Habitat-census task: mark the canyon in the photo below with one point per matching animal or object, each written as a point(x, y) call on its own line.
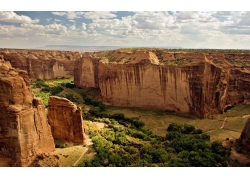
point(42, 64)
point(196, 82)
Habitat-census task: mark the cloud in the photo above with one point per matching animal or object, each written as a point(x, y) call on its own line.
point(245, 20)
point(190, 30)
point(195, 16)
point(10, 16)
point(153, 20)
point(69, 14)
point(84, 26)
point(57, 29)
point(99, 15)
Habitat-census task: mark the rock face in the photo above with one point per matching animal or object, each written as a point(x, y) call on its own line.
point(24, 130)
point(65, 119)
point(245, 135)
point(201, 83)
point(43, 64)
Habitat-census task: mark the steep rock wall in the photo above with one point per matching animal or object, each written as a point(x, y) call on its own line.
point(189, 82)
point(42, 64)
point(65, 119)
point(24, 130)
point(245, 135)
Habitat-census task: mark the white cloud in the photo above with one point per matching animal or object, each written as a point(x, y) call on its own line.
point(69, 14)
point(195, 16)
point(245, 19)
point(187, 29)
point(190, 29)
point(10, 16)
point(84, 26)
point(152, 20)
point(99, 15)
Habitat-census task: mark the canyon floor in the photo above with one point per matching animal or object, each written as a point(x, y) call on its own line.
point(219, 126)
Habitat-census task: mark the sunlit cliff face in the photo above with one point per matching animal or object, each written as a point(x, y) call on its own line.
point(24, 130)
point(199, 83)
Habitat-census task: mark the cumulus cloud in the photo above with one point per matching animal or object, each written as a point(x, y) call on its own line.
point(152, 20)
point(195, 16)
point(99, 15)
point(69, 14)
point(188, 29)
point(10, 16)
point(47, 29)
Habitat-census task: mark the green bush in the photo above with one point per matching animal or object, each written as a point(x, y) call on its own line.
point(55, 90)
point(70, 85)
point(70, 97)
point(174, 127)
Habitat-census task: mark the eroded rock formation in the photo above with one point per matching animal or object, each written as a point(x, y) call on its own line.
point(201, 83)
point(43, 64)
point(245, 135)
point(24, 129)
point(65, 119)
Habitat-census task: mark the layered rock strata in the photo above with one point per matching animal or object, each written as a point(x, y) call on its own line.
point(200, 83)
point(65, 119)
point(42, 64)
point(24, 130)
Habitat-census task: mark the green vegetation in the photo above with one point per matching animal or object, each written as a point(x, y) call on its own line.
point(238, 62)
point(159, 120)
point(127, 142)
point(176, 61)
point(117, 145)
point(46, 88)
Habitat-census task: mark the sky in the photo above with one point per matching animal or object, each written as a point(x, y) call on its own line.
point(183, 28)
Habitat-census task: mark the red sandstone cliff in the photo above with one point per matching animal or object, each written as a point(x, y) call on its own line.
point(65, 119)
point(200, 83)
point(24, 130)
point(43, 64)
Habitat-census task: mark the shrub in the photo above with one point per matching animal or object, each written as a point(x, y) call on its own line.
point(70, 85)
point(205, 137)
point(174, 127)
point(70, 97)
point(188, 129)
point(56, 90)
point(45, 89)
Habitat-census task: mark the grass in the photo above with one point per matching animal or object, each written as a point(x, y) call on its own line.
point(158, 120)
point(69, 155)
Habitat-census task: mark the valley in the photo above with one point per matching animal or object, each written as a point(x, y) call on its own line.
point(127, 107)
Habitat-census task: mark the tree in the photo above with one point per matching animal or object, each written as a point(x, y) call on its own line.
point(174, 127)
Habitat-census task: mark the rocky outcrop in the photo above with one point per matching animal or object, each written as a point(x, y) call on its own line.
point(24, 130)
point(65, 119)
point(201, 83)
point(245, 135)
point(42, 64)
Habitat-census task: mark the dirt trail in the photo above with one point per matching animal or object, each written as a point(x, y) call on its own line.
point(224, 123)
point(88, 143)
